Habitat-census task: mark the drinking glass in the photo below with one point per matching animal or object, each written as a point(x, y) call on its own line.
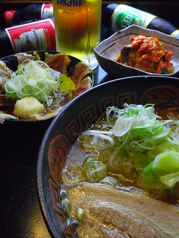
point(77, 28)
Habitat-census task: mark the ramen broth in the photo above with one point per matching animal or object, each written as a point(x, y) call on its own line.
point(124, 180)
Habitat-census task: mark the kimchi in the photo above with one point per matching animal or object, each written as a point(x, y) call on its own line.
point(147, 54)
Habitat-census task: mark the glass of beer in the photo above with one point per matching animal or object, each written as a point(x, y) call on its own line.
point(77, 28)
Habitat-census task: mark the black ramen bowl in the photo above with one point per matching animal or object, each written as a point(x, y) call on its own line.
point(71, 121)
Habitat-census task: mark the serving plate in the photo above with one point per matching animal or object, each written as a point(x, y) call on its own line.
point(71, 121)
point(22, 137)
point(110, 48)
point(12, 62)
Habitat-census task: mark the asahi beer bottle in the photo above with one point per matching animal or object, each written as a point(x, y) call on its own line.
point(37, 35)
point(31, 12)
point(119, 16)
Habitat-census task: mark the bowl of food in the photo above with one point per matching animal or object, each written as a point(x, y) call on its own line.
point(108, 164)
point(34, 87)
point(137, 51)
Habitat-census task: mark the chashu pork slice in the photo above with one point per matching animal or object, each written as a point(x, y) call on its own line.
point(117, 213)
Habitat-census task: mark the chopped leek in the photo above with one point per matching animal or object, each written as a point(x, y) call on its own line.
point(170, 179)
point(94, 171)
point(140, 160)
point(36, 79)
point(134, 140)
point(80, 213)
point(134, 126)
point(122, 126)
point(120, 162)
point(164, 169)
point(162, 147)
point(166, 162)
point(32, 78)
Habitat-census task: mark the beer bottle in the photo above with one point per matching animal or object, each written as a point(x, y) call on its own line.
point(35, 35)
point(119, 16)
point(31, 12)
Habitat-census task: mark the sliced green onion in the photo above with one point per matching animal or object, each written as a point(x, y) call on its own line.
point(80, 214)
point(94, 171)
point(33, 78)
point(133, 140)
point(122, 126)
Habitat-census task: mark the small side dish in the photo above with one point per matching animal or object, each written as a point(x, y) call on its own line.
point(37, 89)
point(146, 53)
point(149, 52)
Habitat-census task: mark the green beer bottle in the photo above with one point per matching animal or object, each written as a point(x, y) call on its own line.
point(119, 16)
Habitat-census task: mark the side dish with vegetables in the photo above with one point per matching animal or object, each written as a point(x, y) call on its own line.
point(38, 89)
point(147, 54)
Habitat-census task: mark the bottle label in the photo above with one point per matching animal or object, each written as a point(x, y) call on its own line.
point(69, 6)
point(46, 10)
point(32, 36)
point(69, 3)
point(8, 15)
point(125, 16)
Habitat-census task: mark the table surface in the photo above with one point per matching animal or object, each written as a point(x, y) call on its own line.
point(20, 212)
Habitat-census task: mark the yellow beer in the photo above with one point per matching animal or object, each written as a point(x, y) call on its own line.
point(77, 27)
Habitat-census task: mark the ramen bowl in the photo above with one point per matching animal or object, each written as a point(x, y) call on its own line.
point(73, 119)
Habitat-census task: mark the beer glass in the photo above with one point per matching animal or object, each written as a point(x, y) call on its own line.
point(77, 28)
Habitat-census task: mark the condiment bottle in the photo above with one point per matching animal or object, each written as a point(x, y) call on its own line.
point(35, 35)
point(119, 16)
point(31, 12)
